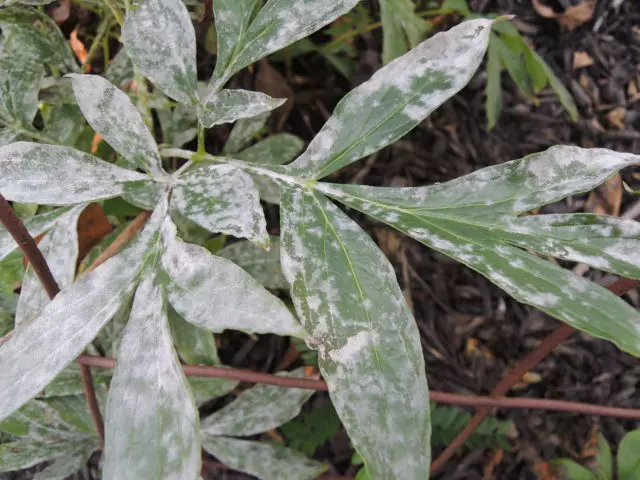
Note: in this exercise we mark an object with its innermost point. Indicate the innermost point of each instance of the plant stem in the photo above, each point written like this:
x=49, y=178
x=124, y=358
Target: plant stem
x=201, y=132
x=103, y=28
x=440, y=397
x=28, y=245
x=33, y=134
x=117, y=14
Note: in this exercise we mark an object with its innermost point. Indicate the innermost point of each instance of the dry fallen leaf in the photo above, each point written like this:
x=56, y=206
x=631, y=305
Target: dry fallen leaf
x=581, y=60
x=78, y=48
x=544, y=471
x=606, y=199
x=93, y=226
x=572, y=17
x=590, y=448
x=616, y=117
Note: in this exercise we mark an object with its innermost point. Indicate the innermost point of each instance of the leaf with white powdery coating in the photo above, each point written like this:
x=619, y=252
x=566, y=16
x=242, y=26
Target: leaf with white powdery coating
x=474, y=220
x=60, y=250
x=265, y=461
x=111, y=113
x=152, y=421
x=222, y=198
x=216, y=294
x=161, y=42
x=258, y=409
x=347, y=296
x=68, y=464
x=278, y=24
x=227, y=106
x=24, y=454
x=396, y=99
x=19, y=86
x=53, y=175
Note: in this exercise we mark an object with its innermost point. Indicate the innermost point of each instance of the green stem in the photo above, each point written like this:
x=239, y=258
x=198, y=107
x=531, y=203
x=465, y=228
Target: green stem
x=104, y=27
x=116, y=12
x=201, y=132
x=33, y=134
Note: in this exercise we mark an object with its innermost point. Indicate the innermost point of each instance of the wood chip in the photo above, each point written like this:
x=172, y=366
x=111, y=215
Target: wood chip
x=581, y=60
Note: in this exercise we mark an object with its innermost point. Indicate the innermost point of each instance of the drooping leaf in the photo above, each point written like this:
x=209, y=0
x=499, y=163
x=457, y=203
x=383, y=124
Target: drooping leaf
x=161, y=42
x=401, y=28
x=276, y=149
x=60, y=250
x=278, y=24
x=66, y=465
x=262, y=265
x=263, y=460
x=111, y=113
x=347, y=296
x=24, y=454
x=258, y=409
x=32, y=36
x=216, y=294
x=473, y=219
x=53, y=175
x=19, y=85
x=36, y=226
x=628, y=460
x=243, y=132
x=222, y=198
x=151, y=421
x=396, y=99
x=228, y=106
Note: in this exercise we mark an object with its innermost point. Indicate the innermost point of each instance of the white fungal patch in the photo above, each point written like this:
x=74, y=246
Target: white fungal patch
x=351, y=350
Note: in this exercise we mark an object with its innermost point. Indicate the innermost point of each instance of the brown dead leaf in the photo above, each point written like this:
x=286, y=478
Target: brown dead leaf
x=78, y=48
x=270, y=81
x=581, y=60
x=572, y=17
x=93, y=226
x=590, y=448
x=496, y=459
x=616, y=117
x=95, y=143
x=474, y=348
x=544, y=471
x=311, y=371
x=606, y=199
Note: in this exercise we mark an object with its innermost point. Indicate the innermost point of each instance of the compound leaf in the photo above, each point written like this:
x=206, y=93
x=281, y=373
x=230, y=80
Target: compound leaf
x=228, y=106
x=222, y=198
x=263, y=460
x=152, y=421
x=347, y=296
x=161, y=42
x=111, y=113
x=53, y=175
x=396, y=99
x=258, y=409
x=216, y=294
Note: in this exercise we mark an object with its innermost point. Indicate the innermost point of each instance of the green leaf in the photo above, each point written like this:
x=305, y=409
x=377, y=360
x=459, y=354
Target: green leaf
x=258, y=409
x=37, y=353
x=493, y=89
x=400, y=26
x=67, y=465
x=19, y=86
x=228, y=106
x=25, y=454
x=53, y=175
x=556, y=85
x=262, y=265
x=536, y=71
x=347, y=296
x=603, y=457
x=65, y=123
x=396, y=99
x=243, y=40
x=111, y=113
x=161, y=42
x=511, y=57
x=628, y=459
x=74, y=411
x=222, y=198
x=36, y=226
x=312, y=429
x=243, y=132
x=263, y=460
x=473, y=219
x=32, y=36
x=216, y=294
x=572, y=470
x=145, y=194
x=152, y=421
x=60, y=250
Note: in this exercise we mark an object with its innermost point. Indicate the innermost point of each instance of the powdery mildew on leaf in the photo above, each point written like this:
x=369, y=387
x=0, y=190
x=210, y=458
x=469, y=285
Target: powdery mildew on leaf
x=222, y=198
x=265, y=461
x=19, y=86
x=228, y=106
x=145, y=194
x=151, y=422
x=243, y=132
x=36, y=225
x=347, y=296
x=53, y=175
x=37, y=421
x=216, y=294
x=258, y=409
x=60, y=250
x=24, y=454
x=161, y=42
x=396, y=99
x=66, y=465
x=111, y=113
x=262, y=265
